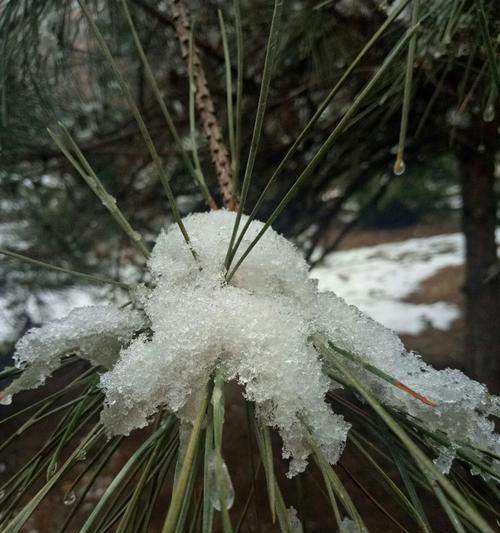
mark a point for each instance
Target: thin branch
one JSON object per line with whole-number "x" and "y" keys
{"x": 206, "y": 108}
{"x": 150, "y": 77}
{"x": 148, "y": 141}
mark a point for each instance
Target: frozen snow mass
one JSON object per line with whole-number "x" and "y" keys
{"x": 189, "y": 323}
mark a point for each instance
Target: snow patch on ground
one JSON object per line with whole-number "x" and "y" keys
{"x": 377, "y": 279}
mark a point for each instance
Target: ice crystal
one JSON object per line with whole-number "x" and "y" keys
{"x": 227, "y": 495}
{"x": 257, "y": 330}
{"x": 445, "y": 459}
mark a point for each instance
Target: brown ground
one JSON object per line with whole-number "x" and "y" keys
{"x": 371, "y": 237}
{"x": 441, "y": 348}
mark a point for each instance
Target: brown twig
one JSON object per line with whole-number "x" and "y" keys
{"x": 206, "y": 109}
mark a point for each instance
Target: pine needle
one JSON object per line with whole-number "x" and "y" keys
{"x": 150, "y": 77}
{"x": 269, "y": 63}
{"x": 165, "y": 180}
{"x": 36, "y": 262}
{"x": 399, "y": 165}
{"x": 174, "y": 509}
{"x": 381, "y": 374}
{"x": 83, "y": 167}
{"x": 327, "y": 145}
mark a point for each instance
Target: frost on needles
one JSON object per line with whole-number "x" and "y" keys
{"x": 189, "y": 323}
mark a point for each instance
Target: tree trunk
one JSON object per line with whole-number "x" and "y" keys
{"x": 482, "y": 273}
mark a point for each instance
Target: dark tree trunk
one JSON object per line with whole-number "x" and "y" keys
{"x": 482, "y": 276}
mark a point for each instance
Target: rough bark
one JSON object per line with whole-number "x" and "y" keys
{"x": 206, "y": 109}
{"x": 482, "y": 272}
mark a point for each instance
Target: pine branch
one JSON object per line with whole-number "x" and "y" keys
{"x": 206, "y": 108}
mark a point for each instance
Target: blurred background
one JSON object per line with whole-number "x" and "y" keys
{"x": 416, "y": 250}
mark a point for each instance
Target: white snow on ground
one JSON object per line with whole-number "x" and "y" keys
{"x": 40, "y": 306}
{"x": 377, "y": 278}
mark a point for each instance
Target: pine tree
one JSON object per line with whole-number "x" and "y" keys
{"x": 138, "y": 99}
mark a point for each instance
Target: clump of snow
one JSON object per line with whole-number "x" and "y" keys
{"x": 254, "y": 329}
{"x": 257, "y": 330}
{"x": 462, "y": 405}
{"x": 96, "y": 333}
{"x": 19, "y": 305}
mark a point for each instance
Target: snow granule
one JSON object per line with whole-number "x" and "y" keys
{"x": 257, "y": 330}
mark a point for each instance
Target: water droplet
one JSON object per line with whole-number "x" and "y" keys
{"x": 52, "y": 469}
{"x": 463, "y": 50}
{"x": 399, "y": 167}
{"x": 2, "y": 494}
{"x": 136, "y": 235}
{"x": 489, "y": 113}
{"x": 108, "y": 201}
{"x": 481, "y": 148}
{"x": 227, "y": 484}
{"x": 3, "y": 468}
{"x": 82, "y": 455}
{"x": 69, "y": 498}
{"x": 340, "y": 62}
{"x": 457, "y": 118}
